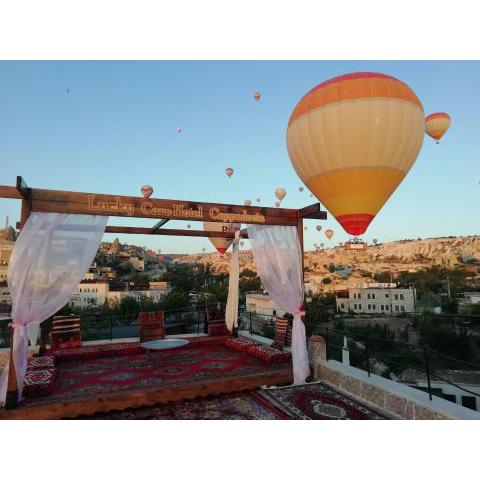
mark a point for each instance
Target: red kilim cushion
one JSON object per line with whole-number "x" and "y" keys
{"x": 152, "y": 326}
{"x": 97, "y": 351}
{"x": 39, "y": 382}
{"x": 215, "y": 329}
{"x": 35, "y": 363}
{"x": 281, "y": 324}
{"x": 241, "y": 344}
{"x": 269, "y": 354}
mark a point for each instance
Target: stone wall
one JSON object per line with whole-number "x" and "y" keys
{"x": 392, "y": 399}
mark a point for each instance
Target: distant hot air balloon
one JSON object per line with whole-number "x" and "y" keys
{"x": 318, "y": 227}
{"x": 258, "y": 200}
{"x": 280, "y": 193}
{"x": 305, "y": 228}
{"x": 277, "y": 204}
{"x": 300, "y": 189}
{"x": 159, "y": 251}
{"x": 437, "y": 124}
{"x": 146, "y": 190}
{"x": 375, "y": 241}
{"x": 179, "y": 130}
{"x": 247, "y": 202}
{"x": 329, "y": 234}
{"x": 229, "y": 171}
{"x": 221, "y": 244}
{"x": 322, "y": 244}
{"x": 204, "y": 249}
{"x": 242, "y": 243}
{"x": 188, "y": 226}
{"x": 257, "y": 96}
{"x": 352, "y": 140}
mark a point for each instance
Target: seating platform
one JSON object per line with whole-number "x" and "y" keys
{"x": 91, "y": 384}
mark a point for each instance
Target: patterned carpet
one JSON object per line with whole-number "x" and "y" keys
{"x": 316, "y": 402}
{"x": 99, "y": 377}
{"x": 306, "y": 402}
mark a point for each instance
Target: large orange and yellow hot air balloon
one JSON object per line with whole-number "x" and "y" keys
{"x": 352, "y": 140}
{"x": 221, "y": 244}
{"x": 437, "y": 124}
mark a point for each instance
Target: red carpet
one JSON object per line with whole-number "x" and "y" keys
{"x": 239, "y": 406}
{"x": 99, "y": 377}
{"x": 316, "y": 402}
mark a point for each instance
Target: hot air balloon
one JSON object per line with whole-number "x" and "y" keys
{"x": 280, "y": 193}
{"x": 305, "y": 228}
{"x": 229, "y": 171}
{"x": 277, "y": 204}
{"x": 329, "y": 234}
{"x": 322, "y": 244}
{"x": 300, "y": 189}
{"x": 352, "y": 140}
{"x": 146, "y": 190}
{"x": 247, "y": 202}
{"x": 437, "y": 124}
{"x": 159, "y": 251}
{"x": 374, "y": 241}
{"x": 242, "y": 243}
{"x": 188, "y": 226}
{"x": 318, "y": 227}
{"x": 258, "y": 200}
{"x": 204, "y": 249}
{"x": 179, "y": 130}
{"x": 221, "y": 244}
{"x": 257, "y": 96}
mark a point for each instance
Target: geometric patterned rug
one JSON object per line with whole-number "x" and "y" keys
{"x": 316, "y": 402}
{"x": 116, "y": 375}
{"x": 306, "y": 402}
{"x": 237, "y": 406}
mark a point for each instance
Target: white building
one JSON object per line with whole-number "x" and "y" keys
{"x": 376, "y": 298}
{"x": 262, "y": 304}
{"x": 95, "y": 292}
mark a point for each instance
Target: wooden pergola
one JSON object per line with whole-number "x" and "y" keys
{"x": 59, "y": 201}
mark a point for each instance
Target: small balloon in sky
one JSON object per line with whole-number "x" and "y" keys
{"x": 179, "y": 130}
{"x": 258, "y": 200}
{"x": 318, "y": 227}
{"x": 204, "y": 249}
{"x": 188, "y": 226}
{"x": 146, "y": 190}
{"x": 257, "y": 96}
{"x": 280, "y": 193}
{"x": 437, "y": 124}
{"x": 329, "y": 234}
{"x": 277, "y": 204}
{"x": 247, "y": 202}
{"x": 229, "y": 172}
{"x": 242, "y": 243}
{"x": 68, "y": 90}
{"x": 305, "y": 228}
{"x": 300, "y": 189}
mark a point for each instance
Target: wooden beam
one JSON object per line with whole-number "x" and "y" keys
{"x": 313, "y": 211}
{"x": 9, "y": 192}
{"x": 117, "y": 205}
{"x": 172, "y": 231}
{"x": 159, "y": 224}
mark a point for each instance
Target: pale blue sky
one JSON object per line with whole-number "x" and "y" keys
{"x": 116, "y": 130}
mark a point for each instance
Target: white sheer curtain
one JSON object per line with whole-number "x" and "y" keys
{"x": 278, "y": 257}
{"x": 231, "y": 311}
{"x": 50, "y": 257}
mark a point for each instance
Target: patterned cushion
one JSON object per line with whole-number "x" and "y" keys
{"x": 36, "y": 363}
{"x": 281, "y": 325}
{"x": 241, "y": 344}
{"x": 97, "y": 351}
{"x": 65, "y": 332}
{"x": 269, "y": 354}
{"x": 39, "y": 382}
{"x": 152, "y": 326}
{"x": 215, "y": 329}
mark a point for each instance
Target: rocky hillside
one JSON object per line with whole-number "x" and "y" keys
{"x": 360, "y": 265}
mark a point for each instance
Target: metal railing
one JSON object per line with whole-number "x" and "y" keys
{"x": 425, "y": 365}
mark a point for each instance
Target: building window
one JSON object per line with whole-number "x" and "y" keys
{"x": 396, "y": 296}
{"x": 387, "y": 307}
{"x": 342, "y": 305}
{"x": 402, "y": 308}
{"x": 274, "y": 313}
{"x": 386, "y": 295}
{"x": 381, "y": 308}
{"x": 374, "y": 307}
{"x": 401, "y": 296}
{"x": 369, "y": 307}
{"x": 373, "y": 296}
{"x": 397, "y": 309}
{"x": 368, "y": 296}
{"x": 359, "y": 295}
{"x": 359, "y": 306}
{"x": 469, "y": 402}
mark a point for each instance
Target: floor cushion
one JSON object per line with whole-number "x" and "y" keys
{"x": 39, "y": 382}
{"x": 241, "y": 344}
{"x": 39, "y": 363}
{"x": 269, "y": 354}
{"x": 97, "y": 351}
{"x": 215, "y": 329}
